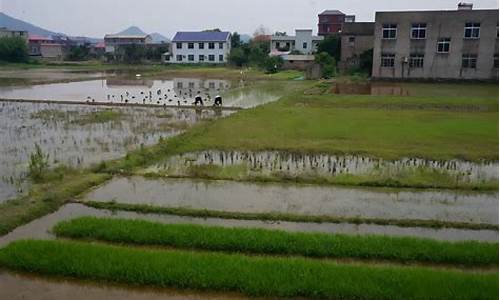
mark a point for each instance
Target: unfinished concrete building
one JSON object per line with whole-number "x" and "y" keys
{"x": 448, "y": 44}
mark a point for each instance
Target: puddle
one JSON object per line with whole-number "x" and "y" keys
{"x": 292, "y": 164}
{"x": 14, "y": 286}
{"x": 302, "y": 199}
{"x": 178, "y": 91}
{"x": 59, "y": 132}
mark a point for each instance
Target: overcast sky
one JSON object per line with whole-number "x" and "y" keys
{"x": 97, "y": 17}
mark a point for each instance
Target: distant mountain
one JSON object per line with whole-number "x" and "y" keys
{"x": 16, "y": 24}
{"x": 159, "y": 38}
{"x": 132, "y": 30}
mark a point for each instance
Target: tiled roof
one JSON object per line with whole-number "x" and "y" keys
{"x": 33, "y": 37}
{"x": 200, "y": 36}
{"x": 332, "y": 12}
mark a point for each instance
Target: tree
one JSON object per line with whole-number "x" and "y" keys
{"x": 261, "y": 30}
{"x": 235, "y": 40}
{"x": 13, "y": 49}
{"x": 327, "y": 64}
{"x": 273, "y": 64}
{"x": 79, "y": 52}
{"x": 330, "y": 45}
{"x": 238, "y": 57}
{"x": 212, "y": 30}
{"x": 133, "y": 53}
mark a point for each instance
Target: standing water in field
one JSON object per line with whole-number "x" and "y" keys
{"x": 178, "y": 92}
{"x": 275, "y": 163}
{"x": 80, "y": 135}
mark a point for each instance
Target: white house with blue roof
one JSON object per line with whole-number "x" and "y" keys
{"x": 200, "y": 47}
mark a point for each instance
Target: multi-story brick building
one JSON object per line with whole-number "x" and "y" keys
{"x": 331, "y": 21}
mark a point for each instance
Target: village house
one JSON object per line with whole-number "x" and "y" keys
{"x": 5, "y": 32}
{"x": 331, "y": 22}
{"x": 211, "y": 47}
{"x": 296, "y": 50}
{"x": 114, "y": 41}
{"x": 44, "y": 47}
{"x": 446, "y": 44}
{"x": 356, "y": 39}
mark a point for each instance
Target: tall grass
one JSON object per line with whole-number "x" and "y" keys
{"x": 254, "y": 276}
{"x": 261, "y": 241}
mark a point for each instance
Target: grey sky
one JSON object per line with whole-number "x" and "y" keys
{"x": 97, "y": 17}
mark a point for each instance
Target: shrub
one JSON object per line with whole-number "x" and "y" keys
{"x": 13, "y": 49}
{"x": 327, "y": 64}
{"x": 273, "y": 64}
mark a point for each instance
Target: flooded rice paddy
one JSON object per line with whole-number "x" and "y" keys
{"x": 17, "y": 286}
{"x": 232, "y": 196}
{"x": 76, "y": 136}
{"x": 174, "y": 92}
{"x": 295, "y": 164}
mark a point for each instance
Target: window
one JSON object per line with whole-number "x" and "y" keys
{"x": 471, "y": 30}
{"x": 469, "y": 61}
{"x": 418, "y": 30}
{"x": 179, "y": 45}
{"x": 352, "y": 39}
{"x": 443, "y": 45}
{"x": 416, "y": 60}
{"x": 304, "y": 45}
{"x": 211, "y": 57}
{"x": 190, "y": 45}
{"x": 211, "y": 45}
{"x": 191, "y": 85}
{"x": 180, "y": 85}
{"x": 179, "y": 57}
{"x": 387, "y": 60}
{"x": 221, "y": 45}
{"x": 211, "y": 85}
{"x": 201, "y": 45}
{"x": 389, "y": 31}
{"x": 221, "y": 57}
{"x": 191, "y": 57}
{"x": 495, "y": 61}
{"x": 201, "y": 58}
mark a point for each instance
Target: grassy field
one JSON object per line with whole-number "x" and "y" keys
{"x": 385, "y": 127}
{"x": 254, "y": 276}
{"x": 261, "y": 241}
{"x": 272, "y": 216}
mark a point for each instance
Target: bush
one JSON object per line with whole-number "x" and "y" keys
{"x": 273, "y": 64}
{"x": 237, "y": 57}
{"x": 133, "y": 53}
{"x": 13, "y": 49}
{"x": 79, "y": 53}
{"x": 330, "y": 45}
{"x": 327, "y": 64}
{"x": 38, "y": 165}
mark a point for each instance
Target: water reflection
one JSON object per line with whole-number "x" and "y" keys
{"x": 302, "y": 199}
{"x": 117, "y": 90}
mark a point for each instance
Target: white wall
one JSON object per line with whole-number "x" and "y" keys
{"x": 196, "y": 51}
